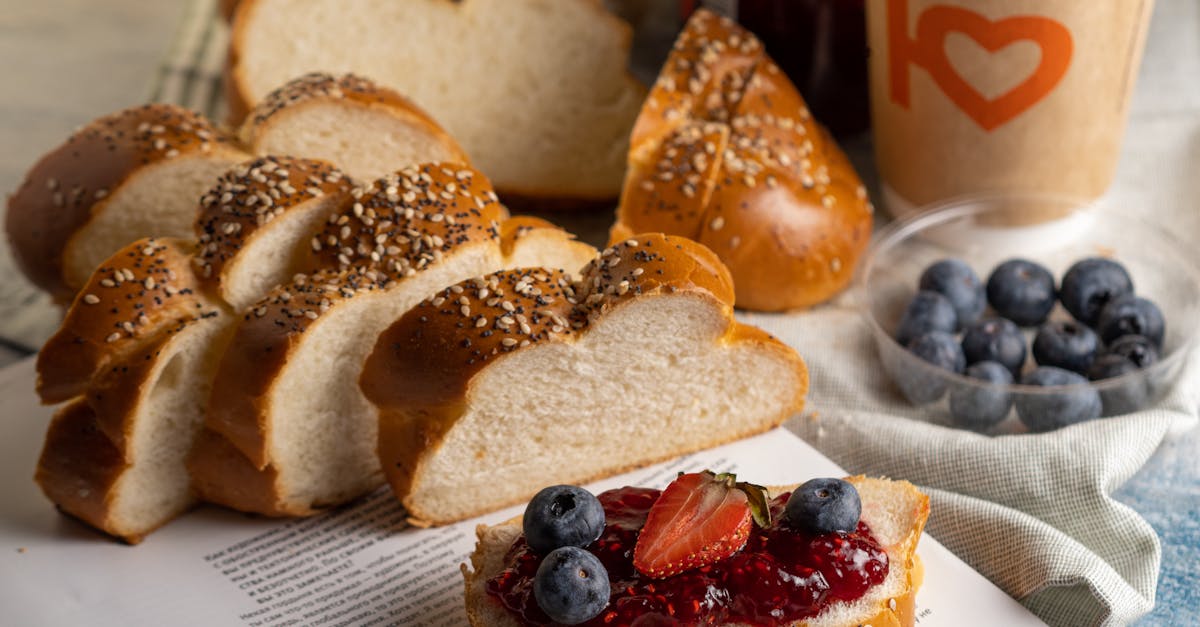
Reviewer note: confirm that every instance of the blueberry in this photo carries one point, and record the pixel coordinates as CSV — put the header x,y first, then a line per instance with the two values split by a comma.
x,y
921,385
824,506
1136,348
995,339
1066,344
955,280
1051,409
1130,315
562,515
1022,291
1126,396
1090,284
927,311
571,585
981,407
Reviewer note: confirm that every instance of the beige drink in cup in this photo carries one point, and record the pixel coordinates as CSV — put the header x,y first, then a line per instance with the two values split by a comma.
x,y
971,96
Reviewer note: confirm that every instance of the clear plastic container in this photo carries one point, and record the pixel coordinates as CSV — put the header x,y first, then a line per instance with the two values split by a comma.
x,y
986,230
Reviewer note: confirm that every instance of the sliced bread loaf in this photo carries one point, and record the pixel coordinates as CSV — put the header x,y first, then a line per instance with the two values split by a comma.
x,y
537,92
115,459
142,341
894,510
366,129
495,387
136,173
289,429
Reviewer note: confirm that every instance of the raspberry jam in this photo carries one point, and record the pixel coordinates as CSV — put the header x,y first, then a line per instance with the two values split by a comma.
x,y
781,575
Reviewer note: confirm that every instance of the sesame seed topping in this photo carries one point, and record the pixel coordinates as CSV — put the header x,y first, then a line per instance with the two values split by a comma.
x,y
91,299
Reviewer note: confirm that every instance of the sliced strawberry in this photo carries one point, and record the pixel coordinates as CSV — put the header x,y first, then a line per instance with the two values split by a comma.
x,y
700,519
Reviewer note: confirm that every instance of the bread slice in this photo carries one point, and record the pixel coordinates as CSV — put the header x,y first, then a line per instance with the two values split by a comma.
x,y
132,174
895,511
537,92
498,386
142,290
255,224
726,152
115,459
289,430
348,120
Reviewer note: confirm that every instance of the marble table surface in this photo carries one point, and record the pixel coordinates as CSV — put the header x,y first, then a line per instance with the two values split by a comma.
x,y
67,61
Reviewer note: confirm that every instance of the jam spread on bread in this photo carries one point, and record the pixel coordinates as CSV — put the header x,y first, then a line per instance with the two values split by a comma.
x,y
786,570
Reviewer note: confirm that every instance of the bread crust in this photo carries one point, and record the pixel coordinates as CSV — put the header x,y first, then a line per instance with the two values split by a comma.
x,y
400,223
421,371
79,465
726,152
74,182
144,288
899,611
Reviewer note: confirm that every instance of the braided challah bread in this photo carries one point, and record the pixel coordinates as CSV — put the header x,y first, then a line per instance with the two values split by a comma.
x,y
499,385
288,429
725,152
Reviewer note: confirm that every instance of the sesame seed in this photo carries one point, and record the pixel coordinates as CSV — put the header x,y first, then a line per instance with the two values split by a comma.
x,y
508,341
310,314
113,337
717,223
91,299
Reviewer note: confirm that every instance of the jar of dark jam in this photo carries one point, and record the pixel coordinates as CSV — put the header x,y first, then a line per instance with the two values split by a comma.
x,y
821,44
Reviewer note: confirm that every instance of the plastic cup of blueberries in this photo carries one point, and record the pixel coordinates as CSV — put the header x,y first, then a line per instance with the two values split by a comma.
x,y
986,230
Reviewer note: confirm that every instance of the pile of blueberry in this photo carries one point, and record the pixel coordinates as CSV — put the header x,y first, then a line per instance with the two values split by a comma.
x,y
1111,332
571,585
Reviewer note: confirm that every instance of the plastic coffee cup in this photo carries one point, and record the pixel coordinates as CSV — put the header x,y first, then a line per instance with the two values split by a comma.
x,y
971,96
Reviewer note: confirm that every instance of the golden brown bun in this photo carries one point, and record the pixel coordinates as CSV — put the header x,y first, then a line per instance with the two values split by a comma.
x,y
726,152
146,287
895,510
75,182
425,369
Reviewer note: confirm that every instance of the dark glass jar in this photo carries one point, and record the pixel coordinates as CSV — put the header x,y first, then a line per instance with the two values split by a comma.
x,y
821,44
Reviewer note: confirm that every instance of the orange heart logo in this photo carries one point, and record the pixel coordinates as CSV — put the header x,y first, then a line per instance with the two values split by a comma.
x,y
928,50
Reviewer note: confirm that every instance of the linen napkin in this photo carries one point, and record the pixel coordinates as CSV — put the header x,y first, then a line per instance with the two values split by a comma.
x,y
1034,513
